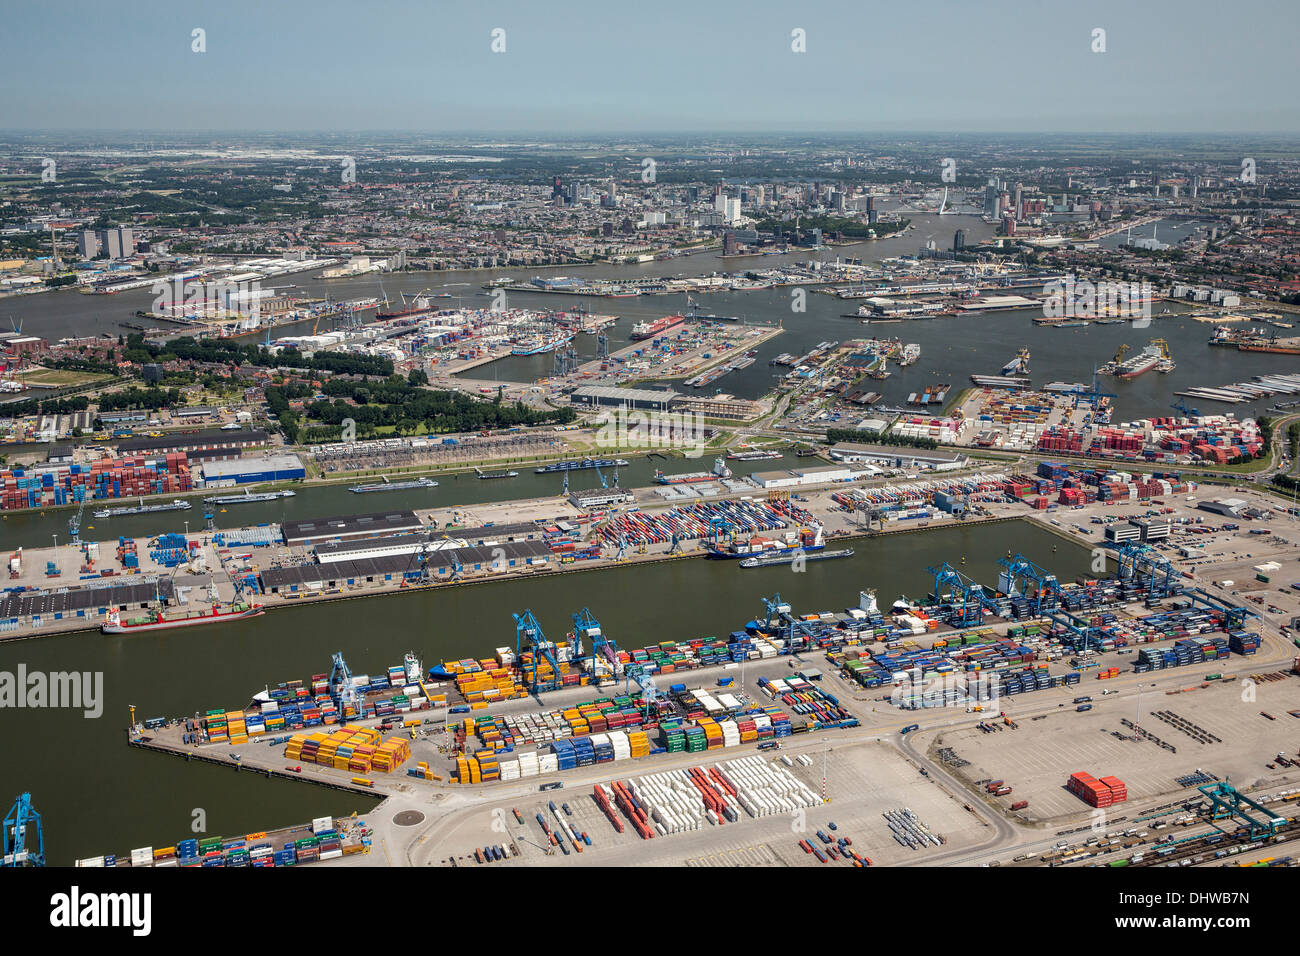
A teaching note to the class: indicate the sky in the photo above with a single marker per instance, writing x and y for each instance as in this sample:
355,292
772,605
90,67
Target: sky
651,66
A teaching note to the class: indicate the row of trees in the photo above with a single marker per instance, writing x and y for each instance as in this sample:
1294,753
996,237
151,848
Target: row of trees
230,352
884,438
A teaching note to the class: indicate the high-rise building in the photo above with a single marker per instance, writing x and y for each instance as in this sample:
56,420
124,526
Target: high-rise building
117,243
959,240
87,244
1019,202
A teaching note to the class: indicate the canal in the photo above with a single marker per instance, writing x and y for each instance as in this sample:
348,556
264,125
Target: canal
97,795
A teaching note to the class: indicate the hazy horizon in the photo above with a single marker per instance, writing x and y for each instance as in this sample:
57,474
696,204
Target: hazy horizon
996,68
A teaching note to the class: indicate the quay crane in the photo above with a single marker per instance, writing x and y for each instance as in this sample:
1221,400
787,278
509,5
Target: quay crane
1019,572
21,825
342,688
528,632
966,598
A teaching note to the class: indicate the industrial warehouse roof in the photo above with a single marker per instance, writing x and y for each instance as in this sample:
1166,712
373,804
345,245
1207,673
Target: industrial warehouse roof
625,394
244,466
496,532
29,603
318,574
213,437
349,526
896,451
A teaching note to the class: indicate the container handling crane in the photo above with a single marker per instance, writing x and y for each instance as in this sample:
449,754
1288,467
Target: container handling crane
24,837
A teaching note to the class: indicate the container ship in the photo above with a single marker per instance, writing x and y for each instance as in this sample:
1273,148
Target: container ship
648,330
575,465
393,486
720,470
176,504
113,623
787,544
247,497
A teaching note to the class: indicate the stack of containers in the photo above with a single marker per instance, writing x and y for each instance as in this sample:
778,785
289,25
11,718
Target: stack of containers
1097,793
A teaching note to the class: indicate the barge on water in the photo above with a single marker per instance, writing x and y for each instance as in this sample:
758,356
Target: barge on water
387,485
576,465
248,497
776,561
113,623
177,504
508,473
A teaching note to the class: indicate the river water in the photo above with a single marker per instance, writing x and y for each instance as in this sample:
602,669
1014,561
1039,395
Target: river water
98,795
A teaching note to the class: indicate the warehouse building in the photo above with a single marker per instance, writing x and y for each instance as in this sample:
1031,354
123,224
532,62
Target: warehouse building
897,456
350,527
34,608
824,474
247,471
332,552
639,399
225,443
1228,507
393,569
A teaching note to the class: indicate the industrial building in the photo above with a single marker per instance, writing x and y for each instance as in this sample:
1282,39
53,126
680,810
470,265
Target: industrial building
439,565
896,456
350,527
224,443
247,471
1228,507
824,474
599,498
34,608
333,552
640,399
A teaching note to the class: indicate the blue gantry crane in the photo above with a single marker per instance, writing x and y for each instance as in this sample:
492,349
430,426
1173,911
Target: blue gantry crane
1024,578
1181,406
586,627
1143,565
781,620
965,599
1235,614
529,634
24,837
1227,803
342,688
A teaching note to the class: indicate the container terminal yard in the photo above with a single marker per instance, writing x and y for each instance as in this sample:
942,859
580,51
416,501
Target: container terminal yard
950,728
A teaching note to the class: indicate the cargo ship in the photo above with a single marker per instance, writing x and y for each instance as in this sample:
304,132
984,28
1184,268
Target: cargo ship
113,623
575,465
776,561
908,356
788,544
509,473
393,486
1018,365
720,470
248,496
176,504
648,330
1154,356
